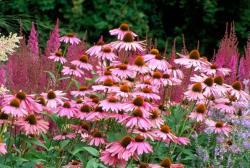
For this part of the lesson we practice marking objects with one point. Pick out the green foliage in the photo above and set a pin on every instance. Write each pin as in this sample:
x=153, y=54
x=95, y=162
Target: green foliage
x=199, y=20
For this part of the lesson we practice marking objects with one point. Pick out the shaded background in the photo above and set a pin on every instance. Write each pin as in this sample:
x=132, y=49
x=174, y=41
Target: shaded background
x=162, y=20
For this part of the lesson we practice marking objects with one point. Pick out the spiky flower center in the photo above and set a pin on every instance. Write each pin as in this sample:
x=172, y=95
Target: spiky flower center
x=72, y=67
x=95, y=99
x=66, y=105
x=229, y=143
x=31, y=119
x=123, y=66
x=232, y=98
x=83, y=88
x=51, y=95
x=154, y=51
x=165, y=128
x=106, y=49
x=139, y=138
x=147, y=90
x=143, y=165
x=3, y=116
x=85, y=108
x=139, y=60
x=147, y=82
x=200, y=108
x=21, y=95
x=108, y=82
x=209, y=81
x=166, y=76
x=75, y=162
x=71, y=34
x=41, y=100
x=85, y=125
x=138, y=101
x=84, y=59
x=237, y=85
x=213, y=66
x=96, y=133
x=166, y=162
x=124, y=88
x=128, y=37
x=154, y=114
x=158, y=57
x=194, y=54
x=107, y=73
x=137, y=113
x=219, y=124
x=124, y=27
x=157, y=74
x=59, y=54
x=99, y=109
x=126, y=141
x=219, y=80
x=197, y=87
x=112, y=99
x=15, y=103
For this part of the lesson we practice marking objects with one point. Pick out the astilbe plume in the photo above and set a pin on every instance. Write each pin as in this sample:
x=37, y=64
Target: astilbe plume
x=33, y=41
x=244, y=67
x=53, y=43
x=227, y=55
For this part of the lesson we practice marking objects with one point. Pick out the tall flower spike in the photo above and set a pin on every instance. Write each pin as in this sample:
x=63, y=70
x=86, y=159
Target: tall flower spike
x=33, y=41
x=53, y=43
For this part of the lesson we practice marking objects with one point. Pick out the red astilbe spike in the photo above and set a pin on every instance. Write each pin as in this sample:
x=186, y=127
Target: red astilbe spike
x=33, y=41
x=53, y=43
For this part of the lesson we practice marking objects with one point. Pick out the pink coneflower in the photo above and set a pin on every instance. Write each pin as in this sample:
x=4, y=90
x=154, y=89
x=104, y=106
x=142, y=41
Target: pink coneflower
x=218, y=127
x=168, y=80
x=27, y=102
x=224, y=105
x=83, y=63
x=96, y=138
x=128, y=44
x=165, y=134
x=220, y=87
x=3, y=148
x=177, y=73
x=58, y=57
x=13, y=108
x=192, y=60
x=111, y=104
x=121, y=31
x=124, y=91
x=72, y=71
x=96, y=48
x=199, y=114
x=106, y=75
x=136, y=120
x=84, y=111
x=155, y=118
x=139, y=146
x=96, y=115
x=167, y=163
x=32, y=125
x=82, y=91
x=139, y=65
x=54, y=98
x=70, y=38
x=108, y=86
x=213, y=69
x=120, y=148
x=106, y=53
x=64, y=136
x=82, y=128
x=74, y=164
x=155, y=61
x=66, y=110
x=147, y=83
x=156, y=78
x=123, y=71
x=112, y=160
x=147, y=134
x=182, y=140
x=236, y=90
x=139, y=102
x=147, y=93
x=194, y=92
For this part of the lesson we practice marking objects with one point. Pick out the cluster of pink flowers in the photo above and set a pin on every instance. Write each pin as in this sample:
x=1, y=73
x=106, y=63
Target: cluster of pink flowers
x=131, y=88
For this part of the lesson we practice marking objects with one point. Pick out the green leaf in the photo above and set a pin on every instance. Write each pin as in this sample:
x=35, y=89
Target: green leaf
x=88, y=149
x=51, y=75
x=64, y=143
x=92, y=163
x=77, y=83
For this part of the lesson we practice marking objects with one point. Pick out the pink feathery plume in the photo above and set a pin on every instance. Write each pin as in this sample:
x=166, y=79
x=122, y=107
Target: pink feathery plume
x=2, y=74
x=75, y=51
x=173, y=53
x=242, y=73
x=53, y=43
x=33, y=41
